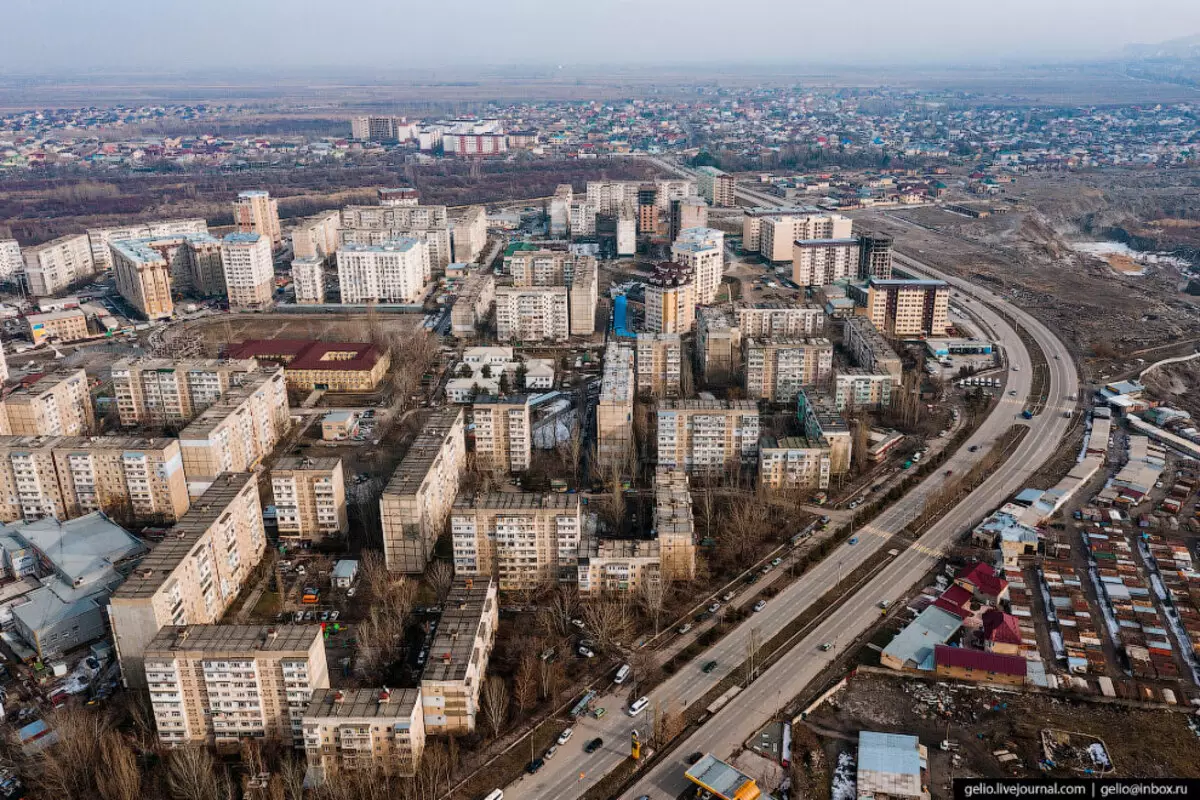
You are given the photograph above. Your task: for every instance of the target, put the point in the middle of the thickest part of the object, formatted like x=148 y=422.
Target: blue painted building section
x=620 y=323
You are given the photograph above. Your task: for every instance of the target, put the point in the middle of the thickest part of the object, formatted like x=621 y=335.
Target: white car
x=713 y=608
x=760 y=605
x=639 y=706
x=585 y=652
x=578 y=623
x=565 y=736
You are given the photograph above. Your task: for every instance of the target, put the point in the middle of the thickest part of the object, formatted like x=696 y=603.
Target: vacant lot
x=207 y=336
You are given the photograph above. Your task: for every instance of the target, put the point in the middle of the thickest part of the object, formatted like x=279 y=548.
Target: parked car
x=565 y=736
x=727 y=597
x=685 y=627
x=585 y=652
x=593 y=745
x=853 y=540
x=775 y=562
x=825 y=648
x=599 y=712
x=712 y=609
x=533 y=766
x=549 y=754
x=694 y=758
x=760 y=605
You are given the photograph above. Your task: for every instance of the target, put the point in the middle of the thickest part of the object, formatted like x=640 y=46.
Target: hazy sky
x=40 y=36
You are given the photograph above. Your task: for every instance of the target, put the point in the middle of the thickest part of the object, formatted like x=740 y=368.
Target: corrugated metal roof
x=963 y=658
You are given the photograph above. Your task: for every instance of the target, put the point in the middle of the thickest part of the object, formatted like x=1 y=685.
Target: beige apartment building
x=905 y=308
x=53 y=266
x=716 y=186
x=61 y=326
x=57 y=404
x=581 y=217
x=707 y=437
x=718 y=347
x=376 y=730
x=220 y=684
x=819 y=262
x=670 y=299
x=235 y=433
x=855 y=389
x=524 y=539
x=778 y=231
x=249 y=271
x=532 y=314
x=609 y=196
x=162 y=391
x=143 y=278
x=774 y=318
x=417 y=500
x=473 y=304
x=777 y=368
x=458 y=657
x=537 y=268
x=11 y=262
x=687 y=212
x=824 y=423
x=395 y=271
x=703 y=250
x=255 y=211
x=675 y=525
x=378 y=224
x=659 y=364
x=503 y=433
x=614 y=412
x=194 y=574
x=130 y=479
x=310 y=497
x=308 y=280
x=560 y=205
x=617 y=566
x=468 y=234
x=101 y=239
x=869 y=350
x=317 y=236
x=793 y=462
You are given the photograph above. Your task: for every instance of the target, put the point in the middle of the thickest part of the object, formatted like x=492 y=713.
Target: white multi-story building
x=381 y=731
x=819 y=262
x=526 y=539
x=249 y=270
x=308 y=280
x=532 y=314
x=394 y=272
x=776 y=233
x=560 y=211
x=855 y=389
x=659 y=362
x=773 y=319
x=503 y=433
x=707 y=437
x=716 y=186
x=702 y=249
x=468 y=234
x=101 y=239
x=254 y=211
x=317 y=237
x=219 y=684
x=379 y=224
x=627 y=231
x=582 y=218
x=10 y=259
x=607 y=197
x=776 y=369
x=160 y=391
x=55 y=265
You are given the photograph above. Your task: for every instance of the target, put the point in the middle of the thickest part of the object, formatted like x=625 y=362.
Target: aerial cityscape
x=542 y=409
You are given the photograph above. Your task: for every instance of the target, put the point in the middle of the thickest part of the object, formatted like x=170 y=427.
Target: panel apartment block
x=532 y=314
x=52 y=267
x=819 y=262
x=235 y=433
x=503 y=433
x=773 y=318
x=101 y=239
x=703 y=250
x=57 y=404
x=869 y=350
x=309 y=497
x=777 y=368
x=162 y=391
x=659 y=364
x=718 y=347
x=395 y=271
x=377 y=730
x=375 y=224
x=458 y=657
x=526 y=539
x=707 y=437
x=614 y=413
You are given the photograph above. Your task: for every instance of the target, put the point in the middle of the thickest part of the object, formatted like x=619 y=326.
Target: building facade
x=53 y=266
x=777 y=232
x=526 y=540
x=818 y=262
x=57 y=404
x=674 y=525
x=707 y=437
x=378 y=730
x=905 y=307
x=11 y=263
x=238 y=431
x=102 y=239
x=869 y=350
x=60 y=326
x=309 y=365
x=468 y=235
x=659 y=364
x=614 y=412
x=308 y=280
x=794 y=462
x=316 y=237
x=503 y=433
x=472 y=304
x=396 y=271
x=773 y=319
x=533 y=314
x=776 y=369
x=716 y=186
x=377 y=224
x=703 y=250
x=143 y=278
x=718 y=347
x=856 y=389
x=249 y=271
x=310 y=497
x=874 y=256
x=417 y=500
x=670 y=299
x=458 y=657
x=255 y=211
x=162 y=391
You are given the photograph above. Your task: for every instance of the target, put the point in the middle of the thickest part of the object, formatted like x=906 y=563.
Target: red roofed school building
x=309 y=365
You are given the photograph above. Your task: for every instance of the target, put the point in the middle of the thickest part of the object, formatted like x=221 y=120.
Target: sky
x=63 y=36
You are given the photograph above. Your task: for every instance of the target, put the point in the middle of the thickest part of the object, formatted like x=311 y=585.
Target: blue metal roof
x=891 y=753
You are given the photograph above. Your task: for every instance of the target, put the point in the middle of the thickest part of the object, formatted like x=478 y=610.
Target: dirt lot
x=1140 y=742
x=209 y=334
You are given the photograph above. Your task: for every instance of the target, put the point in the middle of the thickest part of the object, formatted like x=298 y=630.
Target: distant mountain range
x=1183 y=47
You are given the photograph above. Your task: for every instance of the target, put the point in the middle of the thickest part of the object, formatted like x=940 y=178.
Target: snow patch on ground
x=1060 y=651
x=1099 y=755
x=844 y=779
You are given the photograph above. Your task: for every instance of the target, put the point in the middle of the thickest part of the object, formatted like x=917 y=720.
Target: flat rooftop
x=217 y=640
x=306 y=464
x=210 y=418
x=413 y=468
x=701 y=405
x=517 y=501
x=333 y=704
x=241 y=238
x=453 y=646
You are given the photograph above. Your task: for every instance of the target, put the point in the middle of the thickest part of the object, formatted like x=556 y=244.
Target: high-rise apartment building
x=52 y=267
x=855 y=389
x=185 y=263
x=707 y=437
x=238 y=431
x=194 y=574
x=396 y=271
x=526 y=539
x=531 y=268
x=162 y=391
x=674 y=525
x=617 y=566
x=11 y=262
x=503 y=433
x=219 y=684
x=607 y=197
x=249 y=271
x=793 y=462
x=130 y=479
x=254 y=211
x=659 y=364
x=143 y=278
x=560 y=211
x=773 y=318
x=874 y=256
x=716 y=186
x=869 y=350
x=581 y=217
x=468 y=234
x=472 y=304
x=3 y=366
x=416 y=502
x=614 y=413
x=380 y=128
x=101 y=239
x=57 y=404
x=374 y=225
x=310 y=497
x=458 y=657
x=777 y=368
x=670 y=299
x=702 y=249
x=308 y=281
x=775 y=233
x=317 y=237
x=532 y=314
x=687 y=212
x=650 y=220
x=905 y=307
x=822 y=422
x=381 y=731
x=718 y=347
x=817 y=262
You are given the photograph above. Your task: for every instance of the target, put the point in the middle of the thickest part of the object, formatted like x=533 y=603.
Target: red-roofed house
x=308 y=365
x=976 y=665
x=983 y=583
x=1001 y=633
x=956 y=600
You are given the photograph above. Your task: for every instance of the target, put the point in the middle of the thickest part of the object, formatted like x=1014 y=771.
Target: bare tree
x=192 y=775
x=69 y=769
x=556 y=613
x=751 y=665
x=525 y=684
x=608 y=621
x=120 y=778
x=494 y=699
x=652 y=596
x=291 y=775
x=441 y=577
